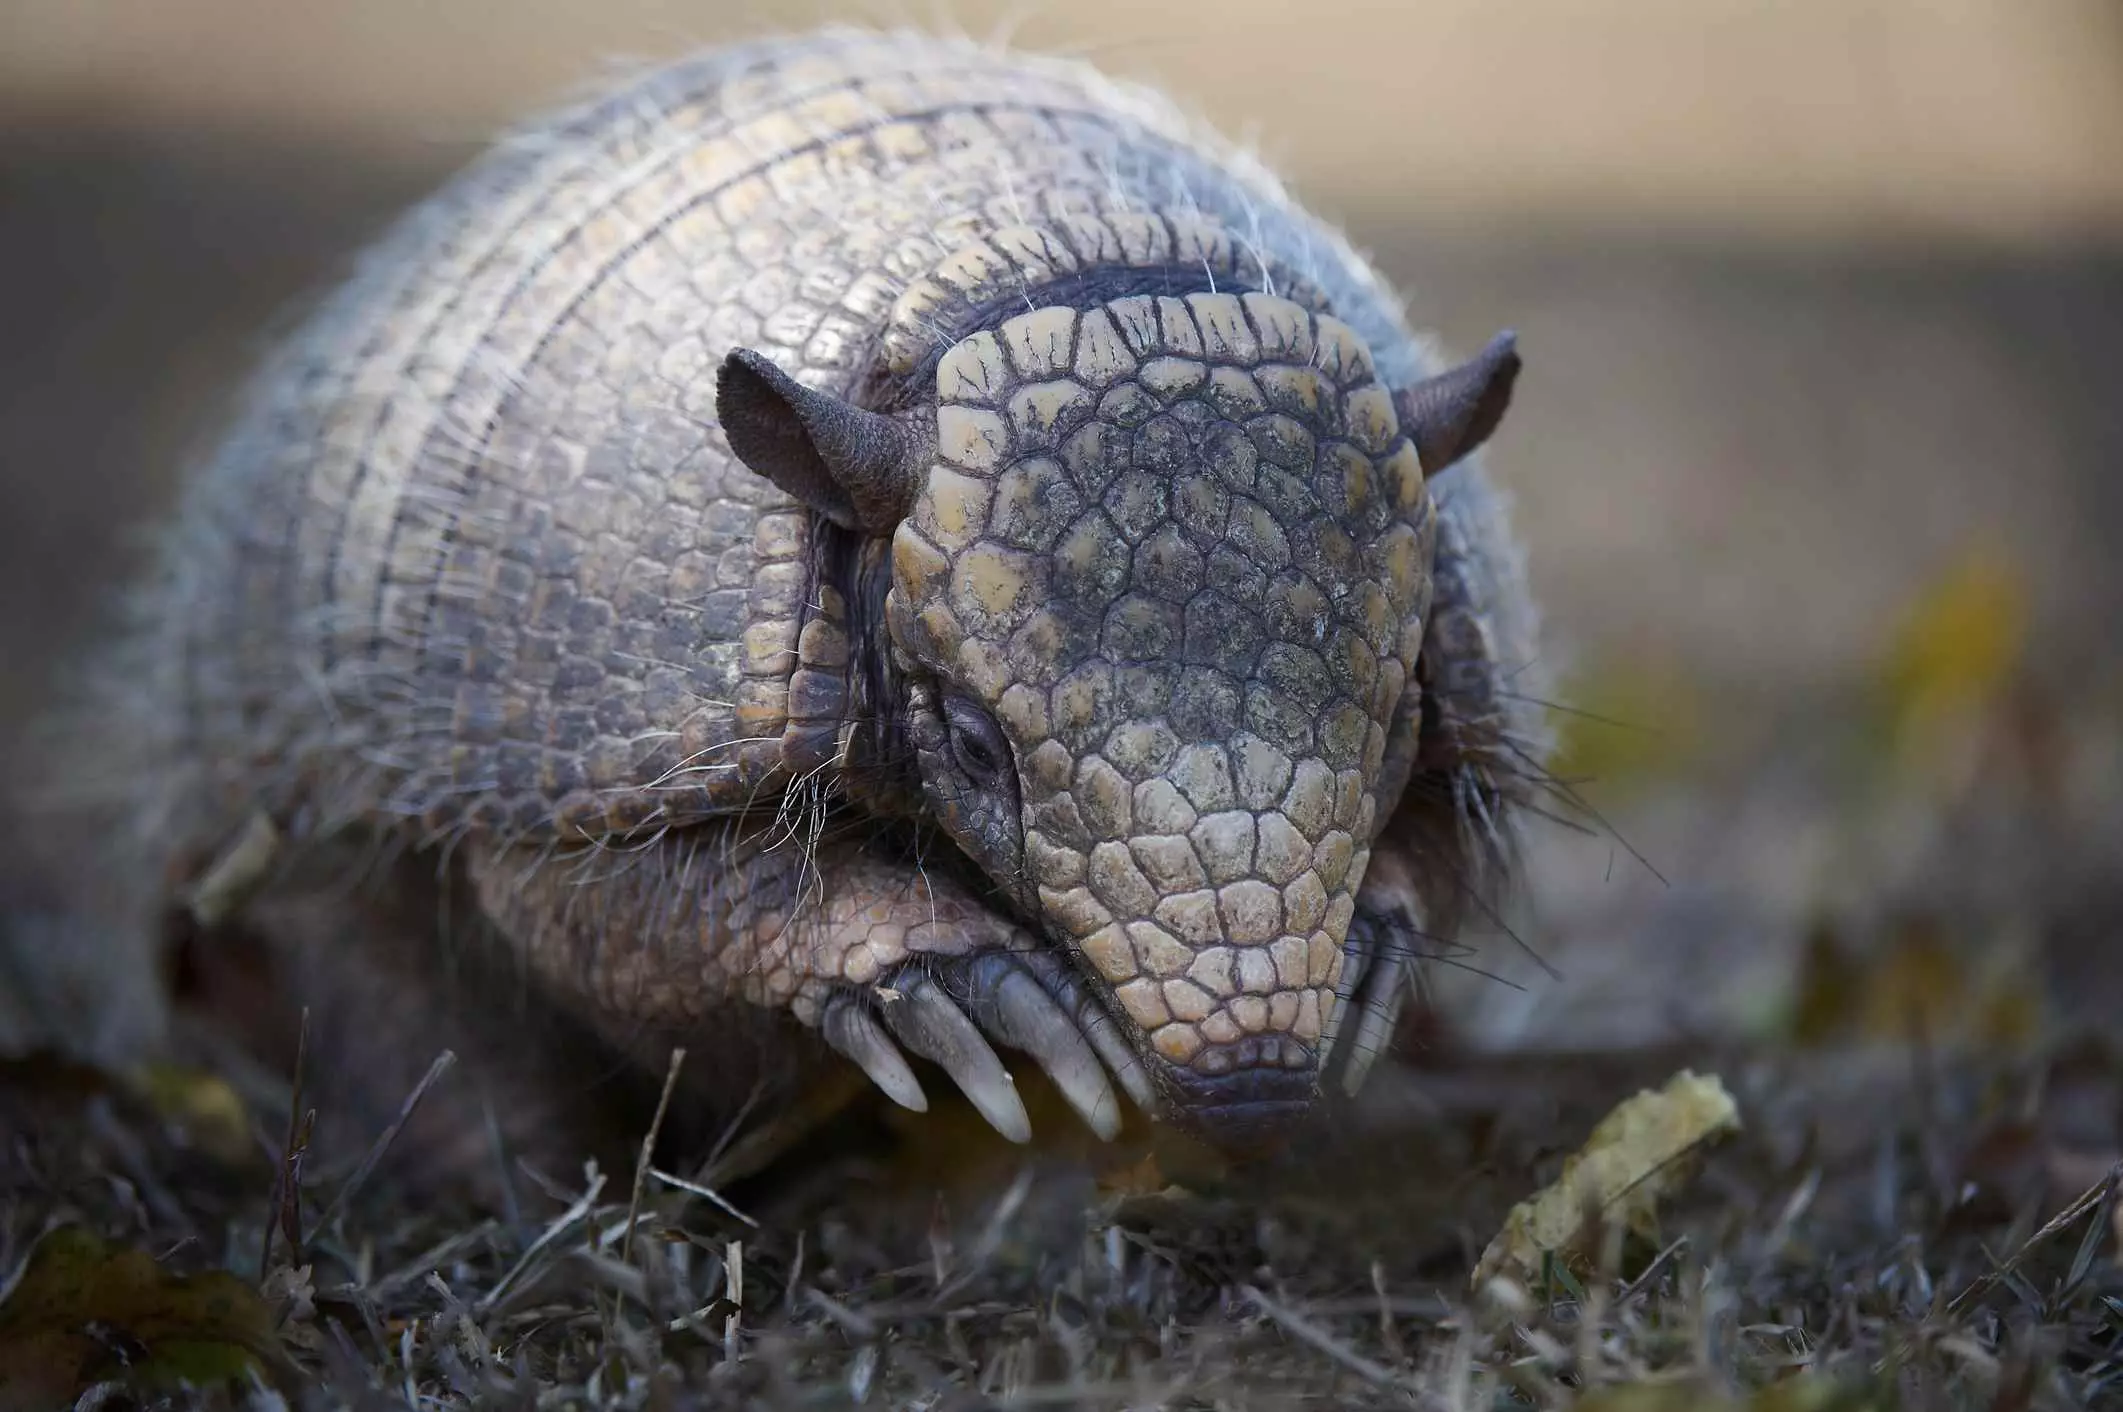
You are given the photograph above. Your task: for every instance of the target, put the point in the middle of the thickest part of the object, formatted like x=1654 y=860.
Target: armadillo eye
x=976 y=741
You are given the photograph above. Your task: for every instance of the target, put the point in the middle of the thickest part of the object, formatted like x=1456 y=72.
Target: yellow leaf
x=83 y=1312
x=1955 y=650
x=1634 y=1158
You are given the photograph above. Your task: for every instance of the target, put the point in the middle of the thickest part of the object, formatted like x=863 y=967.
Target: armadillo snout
x=1249 y=1107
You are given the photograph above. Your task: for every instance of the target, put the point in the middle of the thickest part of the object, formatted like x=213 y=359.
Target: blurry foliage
x=1802 y=1393
x=202 y=1110
x=1943 y=725
x=1949 y=665
x=1946 y=668
x=83 y=1313
x=1916 y=985
x=205 y=1107
x=1945 y=708
x=1960 y=639
x=1626 y=721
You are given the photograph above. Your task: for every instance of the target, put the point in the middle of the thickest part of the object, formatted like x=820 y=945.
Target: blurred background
x=1818 y=457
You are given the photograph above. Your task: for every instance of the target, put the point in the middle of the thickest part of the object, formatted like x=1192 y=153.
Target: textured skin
x=476 y=571
x=1181 y=549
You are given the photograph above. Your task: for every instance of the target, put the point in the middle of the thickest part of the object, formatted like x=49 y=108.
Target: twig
x=511 y=1207
x=551 y=1233
x=235 y=877
x=283 y=1177
x=1311 y=1334
x=754 y=1151
x=2093 y=1196
x=1387 y=1333
x=648 y=1146
x=733 y=1283
x=383 y=1141
x=699 y=1189
x=858 y=1324
x=1651 y=1272
x=428 y=1259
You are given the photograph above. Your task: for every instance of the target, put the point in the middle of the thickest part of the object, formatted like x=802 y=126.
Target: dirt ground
x=1823 y=519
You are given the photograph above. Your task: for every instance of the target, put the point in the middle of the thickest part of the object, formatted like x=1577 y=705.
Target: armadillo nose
x=1245 y=1110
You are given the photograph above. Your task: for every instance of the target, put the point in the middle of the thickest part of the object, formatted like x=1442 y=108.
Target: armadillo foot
x=1378 y=970
x=953 y=1011
x=884 y=964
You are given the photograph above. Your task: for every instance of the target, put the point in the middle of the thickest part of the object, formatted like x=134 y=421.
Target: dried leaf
x=83 y=1312
x=1636 y=1156
x=292 y=1286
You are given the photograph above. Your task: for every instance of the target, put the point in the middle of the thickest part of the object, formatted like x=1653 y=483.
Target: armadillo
x=913 y=551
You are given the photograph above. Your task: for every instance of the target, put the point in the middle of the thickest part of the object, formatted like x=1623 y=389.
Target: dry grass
x=1891 y=1226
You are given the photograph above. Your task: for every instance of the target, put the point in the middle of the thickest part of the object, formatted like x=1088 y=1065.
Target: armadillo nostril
x=1242 y=1109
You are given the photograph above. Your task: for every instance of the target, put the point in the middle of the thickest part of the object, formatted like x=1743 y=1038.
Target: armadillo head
x=1159 y=580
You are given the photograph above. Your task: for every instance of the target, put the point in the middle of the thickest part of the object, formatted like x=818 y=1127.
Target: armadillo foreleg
x=883 y=961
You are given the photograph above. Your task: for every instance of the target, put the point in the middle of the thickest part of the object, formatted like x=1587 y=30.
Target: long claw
x=1096 y=1026
x=1013 y=1007
x=850 y=1028
x=929 y=1022
x=1356 y=963
x=1387 y=988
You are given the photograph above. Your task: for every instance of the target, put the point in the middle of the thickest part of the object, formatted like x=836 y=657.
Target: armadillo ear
x=859 y=469
x=1449 y=415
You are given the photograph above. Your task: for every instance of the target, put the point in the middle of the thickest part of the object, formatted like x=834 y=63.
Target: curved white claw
x=1030 y=1001
x=1377 y=972
x=1385 y=988
x=1356 y=963
x=1017 y=1010
x=850 y=1028
x=1096 y=1025
x=929 y=1023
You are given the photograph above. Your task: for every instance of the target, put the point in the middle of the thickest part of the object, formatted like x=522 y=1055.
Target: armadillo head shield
x=1164 y=589
x=1157 y=597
